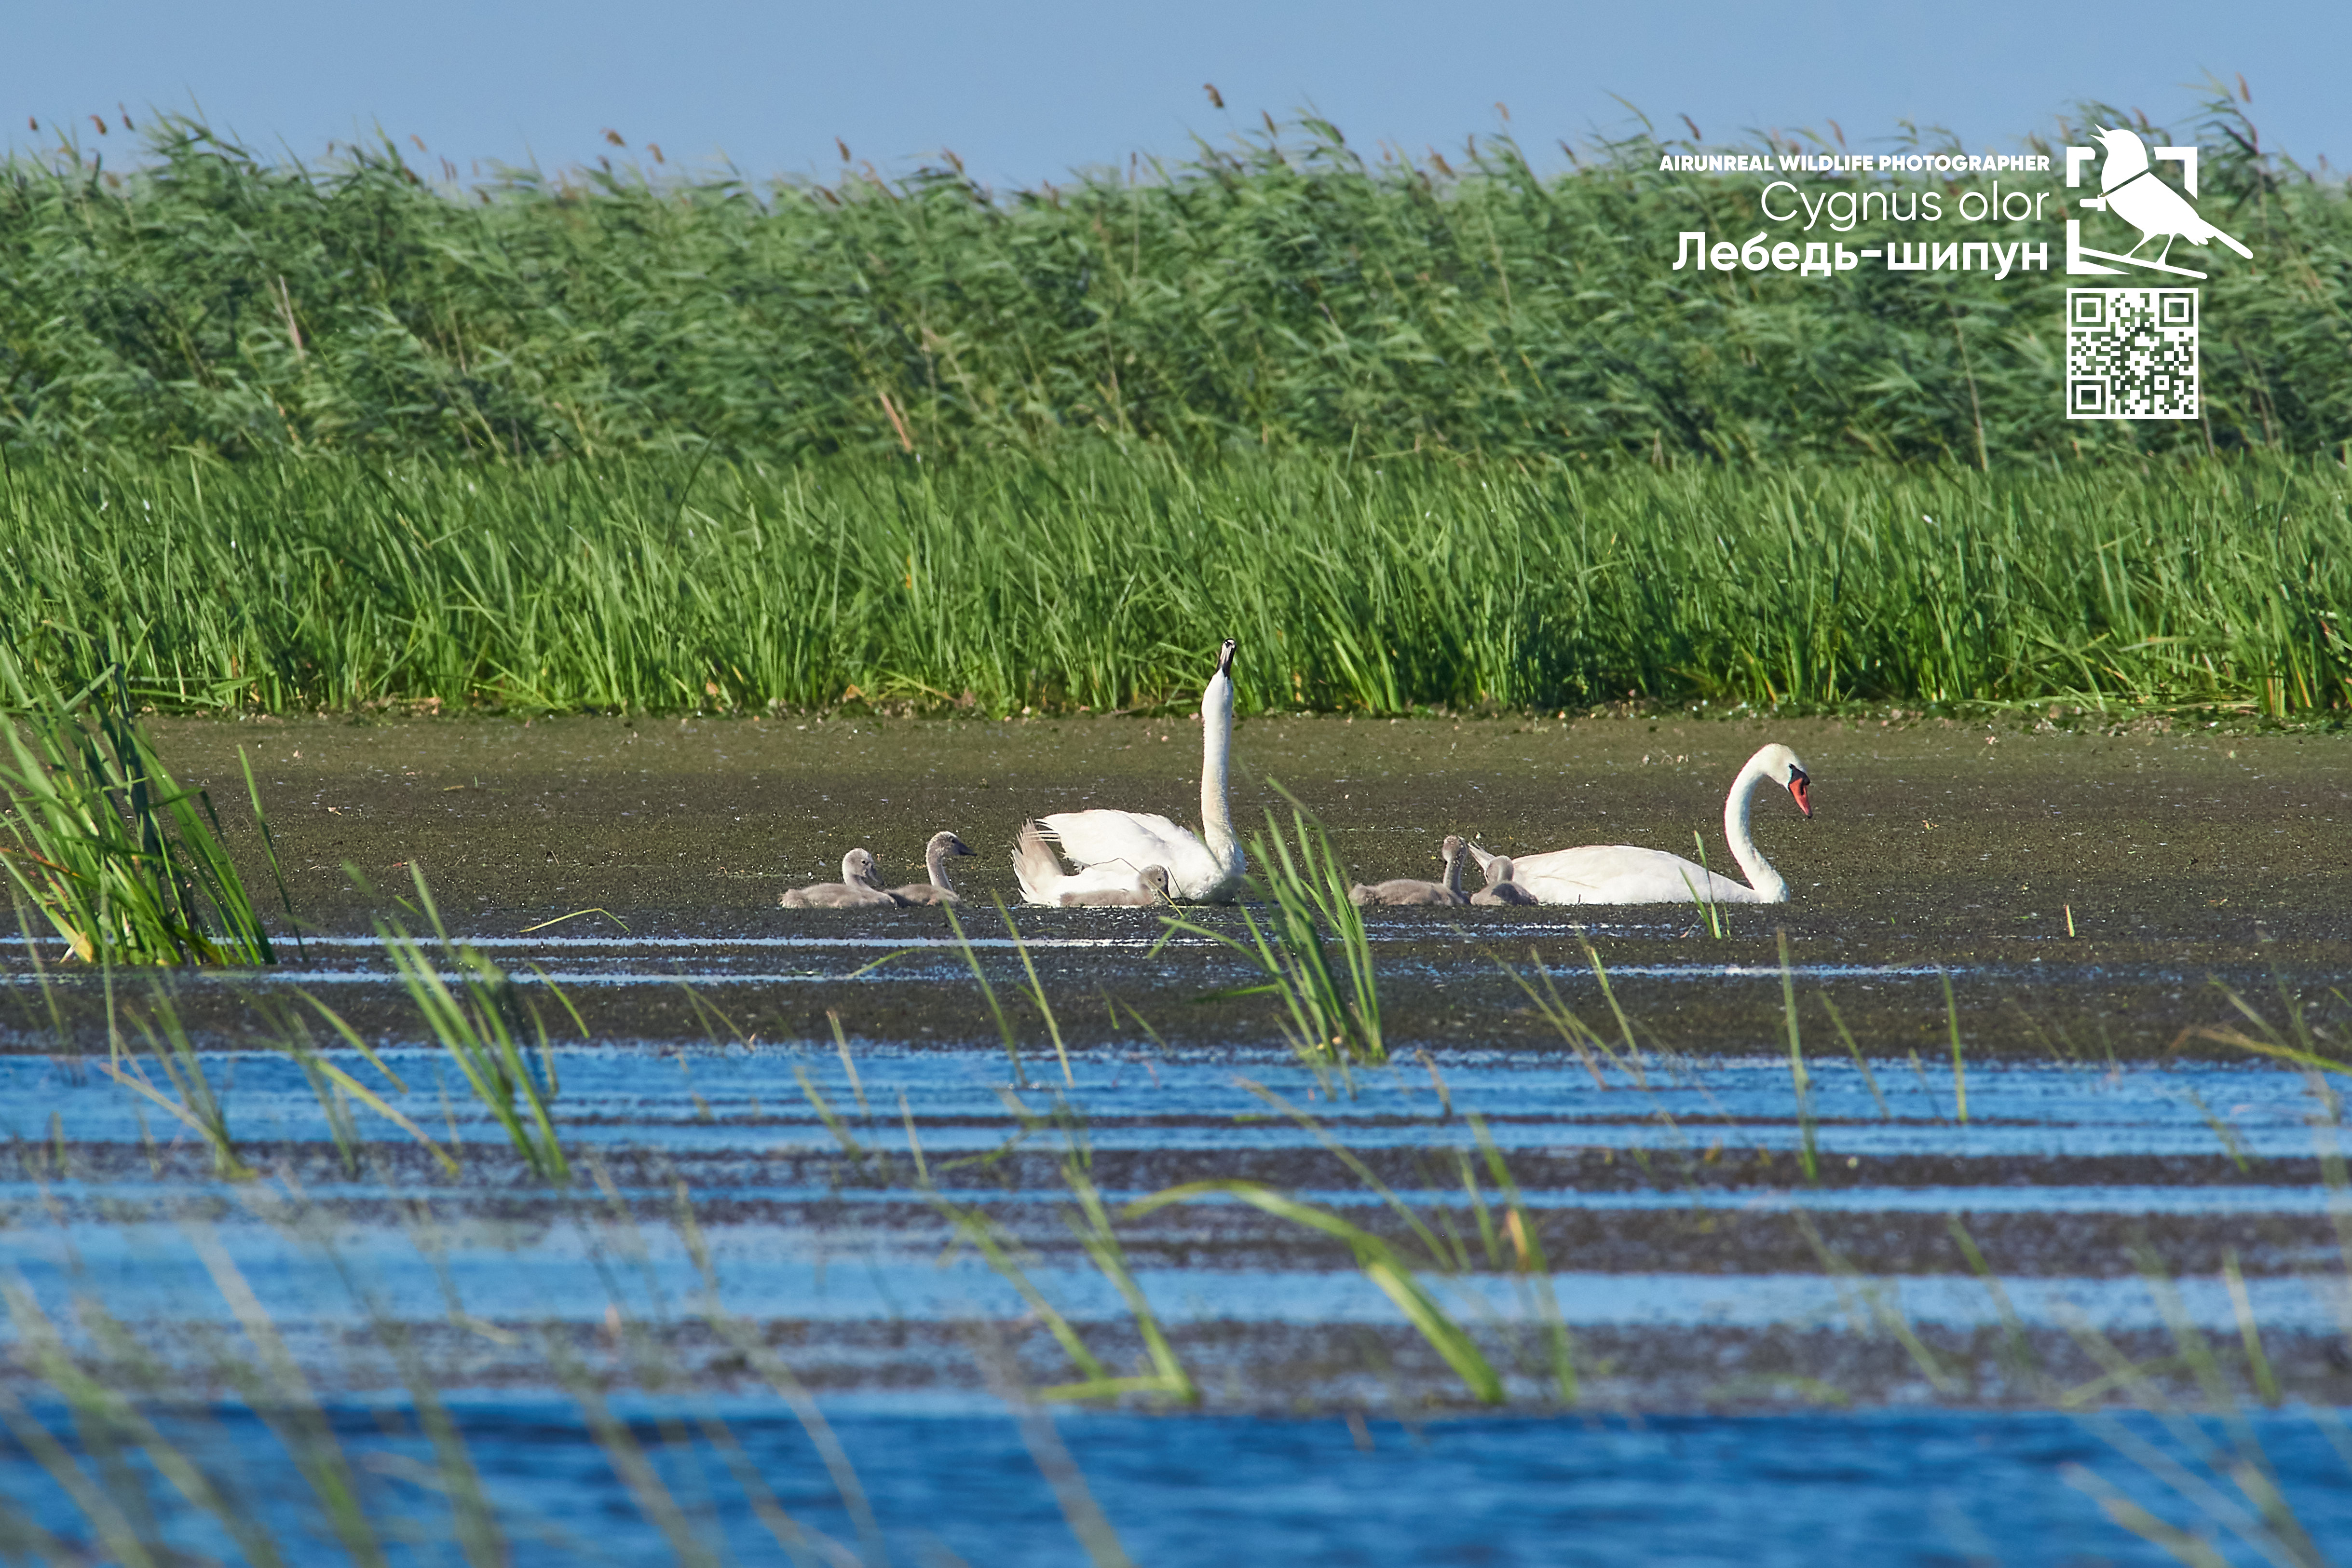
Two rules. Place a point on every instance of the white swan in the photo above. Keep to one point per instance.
(860, 888)
(1624, 874)
(935, 857)
(1402, 890)
(1205, 868)
(1042, 880)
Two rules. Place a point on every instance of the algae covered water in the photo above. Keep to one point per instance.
(1962, 1231)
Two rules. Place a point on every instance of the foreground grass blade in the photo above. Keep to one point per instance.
(476, 1027)
(126, 865)
(361, 1092)
(193, 1101)
(1373, 1255)
(988, 995)
(1526, 1241)
(285, 1399)
(1327, 1017)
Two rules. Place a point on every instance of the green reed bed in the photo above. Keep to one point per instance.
(1101, 577)
(122, 862)
(1284, 291)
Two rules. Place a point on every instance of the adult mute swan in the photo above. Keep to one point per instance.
(1042, 880)
(1205, 868)
(1406, 891)
(1624, 874)
(860, 888)
(935, 857)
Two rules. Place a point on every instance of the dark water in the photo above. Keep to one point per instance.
(1867, 1489)
(2085, 885)
(1870, 1315)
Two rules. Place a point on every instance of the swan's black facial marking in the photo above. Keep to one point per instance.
(1226, 657)
(1798, 787)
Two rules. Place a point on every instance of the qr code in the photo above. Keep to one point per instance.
(2131, 353)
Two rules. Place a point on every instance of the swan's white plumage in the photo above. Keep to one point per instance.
(1204, 867)
(1131, 838)
(1628, 873)
(1042, 880)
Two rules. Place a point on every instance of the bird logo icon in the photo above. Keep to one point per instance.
(2129, 189)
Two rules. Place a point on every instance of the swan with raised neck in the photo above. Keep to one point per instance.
(1204, 867)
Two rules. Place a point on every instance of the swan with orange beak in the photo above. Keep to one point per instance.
(1627, 874)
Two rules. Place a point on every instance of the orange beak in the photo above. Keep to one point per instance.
(1797, 788)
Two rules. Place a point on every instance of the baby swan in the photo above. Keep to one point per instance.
(1152, 889)
(936, 891)
(1499, 888)
(1405, 890)
(860, 888)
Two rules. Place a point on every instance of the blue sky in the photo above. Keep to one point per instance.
(1026, 92)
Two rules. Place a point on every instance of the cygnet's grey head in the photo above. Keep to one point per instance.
(858, 866)
(1156, 878)
(949, 844)
(1451, 850)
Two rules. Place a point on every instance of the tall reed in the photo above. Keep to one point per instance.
(1331, 1012)
(1098, 578)
(124, 864)
(1282, 291)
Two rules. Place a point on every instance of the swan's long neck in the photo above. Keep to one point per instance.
(935, 861)
(1769, 885)
(1217, 745)
(1453, 872)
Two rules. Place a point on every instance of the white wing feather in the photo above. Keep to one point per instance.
(1624, 874)
(1132, 839)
